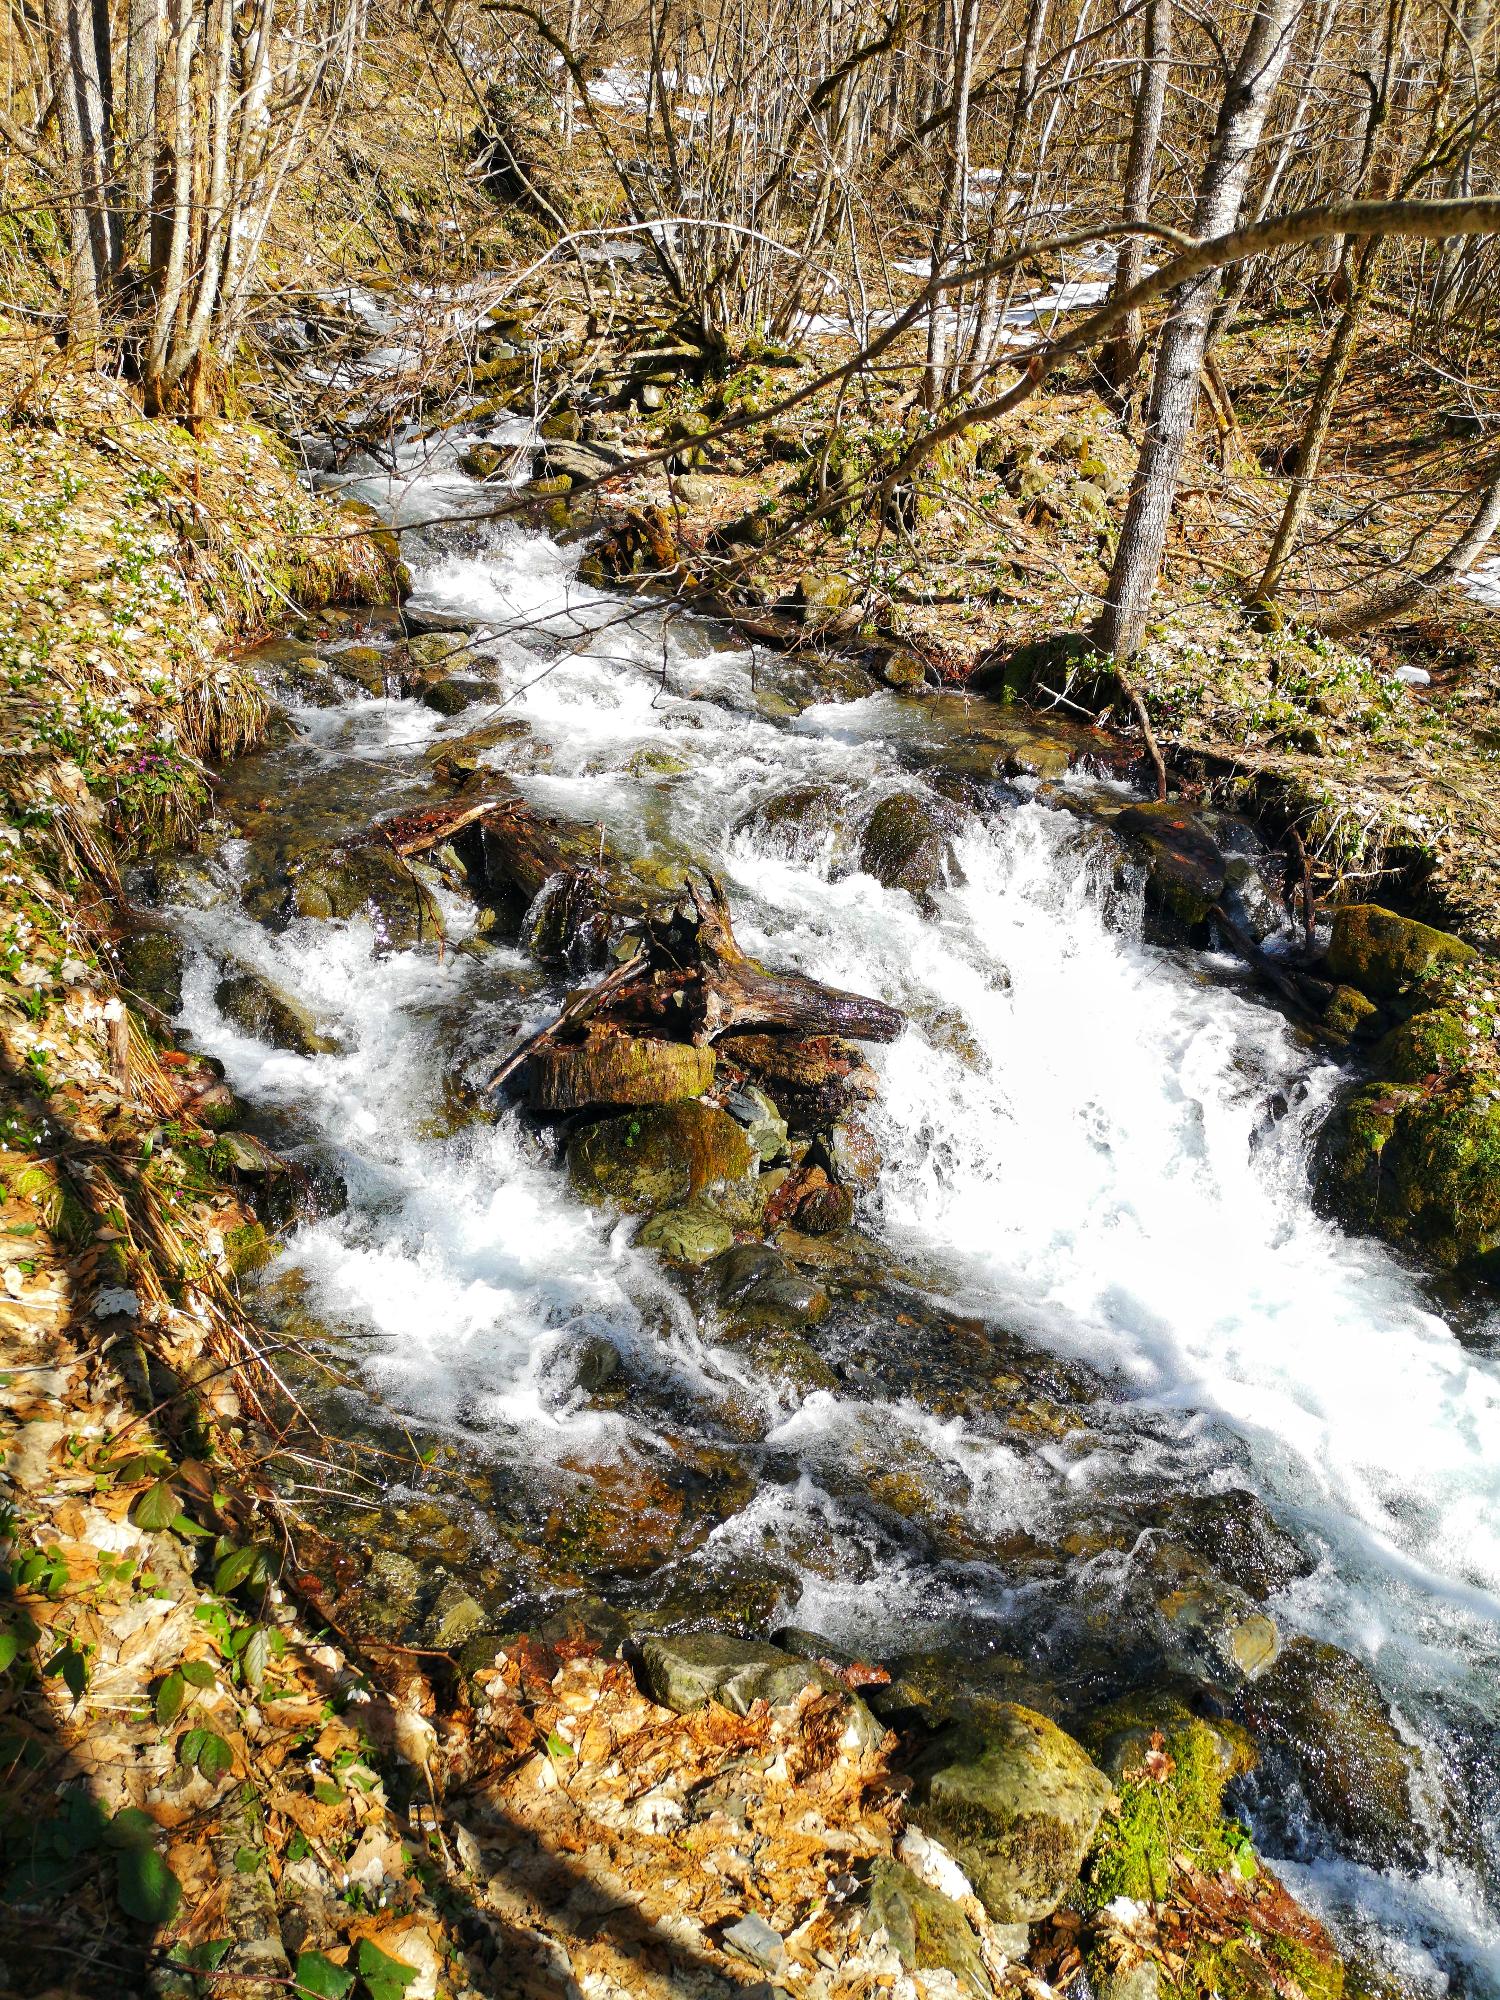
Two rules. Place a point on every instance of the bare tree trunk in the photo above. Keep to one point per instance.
(177, 223)
(1180, 351)
(1031, 56)
(1391, 602)
(1140, 172)
(80, 99)
(142, 45)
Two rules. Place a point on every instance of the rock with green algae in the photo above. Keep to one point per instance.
(607, 1067)
(926, 1929)
(1419, 1163)
(665, 1156)
(1350, 1014)
(151, 968)
(691, 1235)
(1324, 1711)
(252, 1002)
(1018, 1802)
(907, 839)
(1382, 953)
(370, 881)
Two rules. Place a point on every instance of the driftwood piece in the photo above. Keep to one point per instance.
(691, 981)
(739, 995)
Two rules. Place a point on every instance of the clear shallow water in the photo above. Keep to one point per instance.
(1090, 1144)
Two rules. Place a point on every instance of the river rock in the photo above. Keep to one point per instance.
(151, 967)
(1012, 674)
(1324, 1711)
(254, 1004)
(664, 1156)
(799, 821)
(688, 1670)
(906, 841)
(454, 1616)
(1018, 1802)
(1186, 866)
(692, 1235)
(390, 1592)
(927, 1930)
(372, 881)
(1381, 953)
(1235, 1532)
(1420, 1166)
(608, 1067)
(764, 1125)
(759, 1287)
(451, 650)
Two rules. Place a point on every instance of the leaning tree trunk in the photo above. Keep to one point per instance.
(1140, 172)
(1399, 597)
(1184, 338)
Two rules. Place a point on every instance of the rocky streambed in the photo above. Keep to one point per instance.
(994, 1334)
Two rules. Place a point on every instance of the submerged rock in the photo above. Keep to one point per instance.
(1018, 1803)
(758, 1286)
(799, 821)
(1381, 953)
(663, 1156)
(1236, 1533)
(373, 881)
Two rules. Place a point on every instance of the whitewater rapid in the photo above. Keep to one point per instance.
(1100, 1145)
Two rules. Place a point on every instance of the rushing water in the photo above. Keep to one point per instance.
(1095, 1150)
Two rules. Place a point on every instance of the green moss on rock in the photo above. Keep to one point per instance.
(663, 1156)
(1382, 953)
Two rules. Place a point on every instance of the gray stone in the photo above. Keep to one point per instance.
(1017, 1802)
(764, 1125)
(687, 1670)
(151, 965)
(754, 1939)
(927, 1930)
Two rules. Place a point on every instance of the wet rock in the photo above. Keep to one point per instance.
(853, 1151)
(906, 841)
(692, 1235)
(581, 1366)
(451, 649)
(254, 1004)
(368, 881)
(1210, 1618)
(607, 1067)
(452, 695)
(1236, 1533)
(1137, 1979)
(151, 967)
(453, 1618)
(764, 1125)
(822, 1207)
(663, 1156)
(242, 1153)
(390, 1592)
(1186, 866)
(758, 1285)
(927, 1930)
(1324, 1711)
(798, 822)
(1018, 1803)
(903, 670)
(1381, 953)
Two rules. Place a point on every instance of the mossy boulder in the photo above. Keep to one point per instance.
(907, 840)
(1018, 1802)
(1186, 867)
(1420, 1165)
(1014, 675)
(1350, 1014)
(607, 1067)
(799, 821)
(151, 967)
(1323, 1710)
(664, 1156)
(254, 1004)
(1382, 953)
(926, 1929)
(368, 881)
